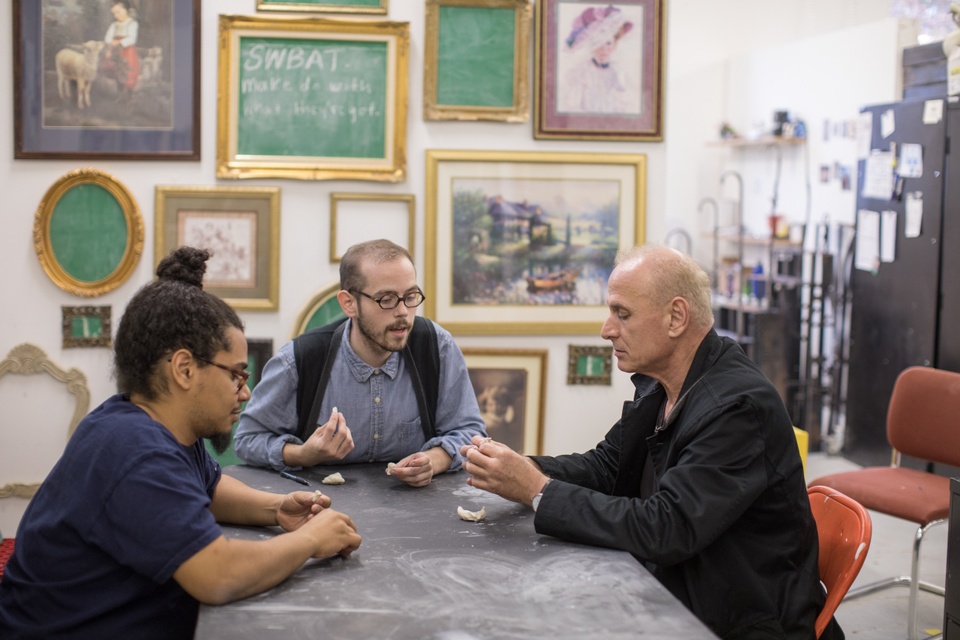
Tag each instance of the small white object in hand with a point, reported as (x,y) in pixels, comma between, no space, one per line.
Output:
(390,465)
(335,478)
(472,516)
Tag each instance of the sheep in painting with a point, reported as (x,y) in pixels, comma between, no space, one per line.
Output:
(82,67)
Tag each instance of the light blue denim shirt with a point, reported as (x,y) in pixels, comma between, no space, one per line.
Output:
(378,404)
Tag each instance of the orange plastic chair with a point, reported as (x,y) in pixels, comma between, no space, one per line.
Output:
(844,529)
(922,423)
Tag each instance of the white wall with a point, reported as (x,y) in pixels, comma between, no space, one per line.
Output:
(696,99)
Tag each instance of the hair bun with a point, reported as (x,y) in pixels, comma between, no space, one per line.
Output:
(185,264)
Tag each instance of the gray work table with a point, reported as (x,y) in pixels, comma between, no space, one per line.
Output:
(423,573)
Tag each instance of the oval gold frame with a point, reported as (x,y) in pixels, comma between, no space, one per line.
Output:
(44,248)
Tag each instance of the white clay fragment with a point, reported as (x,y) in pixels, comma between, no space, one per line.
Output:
(472,516)
(316,496)
(390,465)
(335,478)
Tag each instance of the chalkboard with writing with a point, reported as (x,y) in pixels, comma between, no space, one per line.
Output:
(312,98)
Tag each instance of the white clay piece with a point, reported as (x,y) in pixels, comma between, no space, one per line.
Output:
(335,478)
(472,516)
(390,465)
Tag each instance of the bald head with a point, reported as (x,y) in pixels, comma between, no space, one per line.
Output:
(662,274)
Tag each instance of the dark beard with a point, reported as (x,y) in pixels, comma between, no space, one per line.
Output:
(380,342)
(221,442)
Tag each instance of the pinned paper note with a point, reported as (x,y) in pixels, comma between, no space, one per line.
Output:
(878,176)
(913,208)
(888,123)
(868,240)
(911,161)
(888,236)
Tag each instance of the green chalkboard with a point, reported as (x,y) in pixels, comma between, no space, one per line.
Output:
(88,232)
(312,97)
(475,61)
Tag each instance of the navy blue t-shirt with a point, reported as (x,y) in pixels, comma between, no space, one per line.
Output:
(96,550)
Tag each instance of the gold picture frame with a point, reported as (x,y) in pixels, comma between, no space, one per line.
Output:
(477,60)
(312,98)
(522,242)
(88,232)
(86,327)
(371,221)
(321,309)
(239,225)
(511,390)
(589,364)
(327,6)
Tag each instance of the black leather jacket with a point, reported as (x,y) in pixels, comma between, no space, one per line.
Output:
(728,529)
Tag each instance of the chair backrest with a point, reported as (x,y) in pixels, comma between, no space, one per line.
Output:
(844,529)
(922,417)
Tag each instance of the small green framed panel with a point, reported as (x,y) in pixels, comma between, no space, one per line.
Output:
(476,64)
(86,327)
(88,233)
(322,309)
(589,365)
(324,6)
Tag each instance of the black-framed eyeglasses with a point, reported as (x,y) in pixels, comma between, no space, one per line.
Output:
(240,375)
(391,300)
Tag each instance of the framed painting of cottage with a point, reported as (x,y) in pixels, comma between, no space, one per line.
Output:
(599,70)
(523,242)
(95,79)
(476,60)
(511,391)
(240,226)
(312,98)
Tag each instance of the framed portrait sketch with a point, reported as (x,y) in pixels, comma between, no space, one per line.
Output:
(370,216)
(324,6)
(599,70)
(476,61)
(312,98)
(95,79)
(511,390)
(523,242)
(86,327)
(240,226)
(88,233)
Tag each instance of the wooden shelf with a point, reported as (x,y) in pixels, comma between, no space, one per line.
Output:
(762,141)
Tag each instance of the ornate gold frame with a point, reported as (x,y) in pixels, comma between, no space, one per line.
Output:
(43,246)
(519,111)
(264,201)
(567,172)
(575,352)
(391,167)
(338,197)
(105,339)
(328,7)
(27,359)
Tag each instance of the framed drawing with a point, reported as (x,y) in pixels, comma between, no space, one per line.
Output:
(511,390)
(94,81)
(589,364)
(312,98)
(86,327)
(240,226)
(323,308)
(371,216)
(523,242)
(476,61)
(599,70)
(324,6)
(88,233)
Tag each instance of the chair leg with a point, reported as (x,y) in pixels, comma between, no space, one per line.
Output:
(913,581)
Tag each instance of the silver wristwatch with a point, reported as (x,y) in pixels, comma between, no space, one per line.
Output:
(536,499)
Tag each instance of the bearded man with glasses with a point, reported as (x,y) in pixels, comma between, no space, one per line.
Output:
(383,385)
